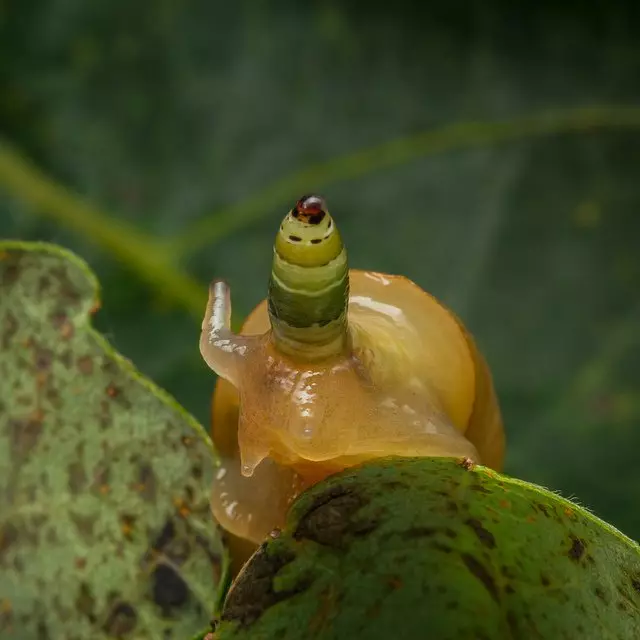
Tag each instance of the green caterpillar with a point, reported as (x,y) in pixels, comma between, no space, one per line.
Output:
(309,284)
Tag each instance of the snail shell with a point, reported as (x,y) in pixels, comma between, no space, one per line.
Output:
(336,367)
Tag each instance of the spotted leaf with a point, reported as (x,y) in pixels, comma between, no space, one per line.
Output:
(105,527)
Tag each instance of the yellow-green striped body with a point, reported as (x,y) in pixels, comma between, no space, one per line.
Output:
(309,286)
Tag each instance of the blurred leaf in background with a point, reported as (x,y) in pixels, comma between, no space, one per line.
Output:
(489,155)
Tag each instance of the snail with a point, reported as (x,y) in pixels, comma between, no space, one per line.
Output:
(334,368)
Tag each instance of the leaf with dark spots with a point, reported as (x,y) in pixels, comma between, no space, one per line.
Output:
(577,548)
(122,620)
(170,591)
(253,591)
(166,535)
(96,466)
(542,508)
(423,569)
(332,519)
(419,532)
(485,536)
(479,488)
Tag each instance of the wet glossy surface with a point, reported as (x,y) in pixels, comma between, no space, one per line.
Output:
(408,386)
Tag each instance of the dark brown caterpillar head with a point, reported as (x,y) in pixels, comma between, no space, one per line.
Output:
(310,209)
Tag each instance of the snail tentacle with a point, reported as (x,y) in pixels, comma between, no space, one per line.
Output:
(220,347)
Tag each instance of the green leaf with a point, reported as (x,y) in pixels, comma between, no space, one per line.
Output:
(105,527)
(436,548)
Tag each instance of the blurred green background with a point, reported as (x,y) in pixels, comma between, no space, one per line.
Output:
(491,156)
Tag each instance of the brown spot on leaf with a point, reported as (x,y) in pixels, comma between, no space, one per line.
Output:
(43,631)
(480,571)
(113,391)
(104,416)
(252,593)
(330,519)
(121,620)
(635,583)
(127,523)
(542,508)
(577,548)
(170,591)
(118,395)
(486,537)
(85,365)
(166,535)
(146,485)
(100,478)
(67,330)
(478,488)
(395,582)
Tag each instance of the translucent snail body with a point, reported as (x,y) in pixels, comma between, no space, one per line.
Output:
(337,366)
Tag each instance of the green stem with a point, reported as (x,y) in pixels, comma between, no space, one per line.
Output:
(142,253)
(462,135)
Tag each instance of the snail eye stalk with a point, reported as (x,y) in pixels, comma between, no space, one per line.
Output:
(309,284)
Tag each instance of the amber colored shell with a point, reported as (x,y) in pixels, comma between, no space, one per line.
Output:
(477,415)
